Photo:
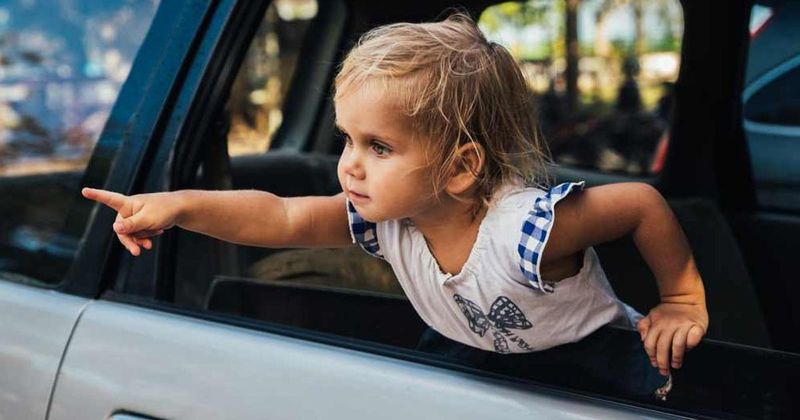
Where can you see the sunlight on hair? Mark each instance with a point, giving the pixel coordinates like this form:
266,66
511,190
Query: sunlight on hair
457,88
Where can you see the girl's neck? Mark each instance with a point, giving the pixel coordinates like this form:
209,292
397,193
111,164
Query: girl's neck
450,229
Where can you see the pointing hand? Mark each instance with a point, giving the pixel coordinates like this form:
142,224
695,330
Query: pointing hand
139,217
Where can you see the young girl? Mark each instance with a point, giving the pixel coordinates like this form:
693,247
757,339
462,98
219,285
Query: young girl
441,174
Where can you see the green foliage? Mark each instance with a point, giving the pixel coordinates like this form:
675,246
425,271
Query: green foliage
517,15
667,43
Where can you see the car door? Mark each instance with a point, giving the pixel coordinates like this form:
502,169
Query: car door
135,354
188,331
31,345
145,362
61,70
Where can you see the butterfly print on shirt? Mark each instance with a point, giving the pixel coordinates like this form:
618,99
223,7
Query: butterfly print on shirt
503,316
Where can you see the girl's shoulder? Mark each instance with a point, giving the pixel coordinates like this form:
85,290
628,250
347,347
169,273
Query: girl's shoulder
520,219
518,196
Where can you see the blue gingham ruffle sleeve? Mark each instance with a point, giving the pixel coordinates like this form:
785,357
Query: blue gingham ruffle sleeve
536,231
364,233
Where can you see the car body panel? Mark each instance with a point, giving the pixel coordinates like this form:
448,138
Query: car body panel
126,361
146,362
36,328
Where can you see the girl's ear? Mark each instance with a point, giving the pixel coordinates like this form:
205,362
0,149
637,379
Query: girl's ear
467,166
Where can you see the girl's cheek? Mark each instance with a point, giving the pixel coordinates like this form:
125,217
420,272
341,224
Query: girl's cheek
340,170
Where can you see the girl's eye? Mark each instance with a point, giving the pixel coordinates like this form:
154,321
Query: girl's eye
380,149
343,135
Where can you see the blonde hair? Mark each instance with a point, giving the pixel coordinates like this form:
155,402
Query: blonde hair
457,88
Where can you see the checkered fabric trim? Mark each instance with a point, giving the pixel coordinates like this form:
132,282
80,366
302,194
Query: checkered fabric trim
536,230
364,233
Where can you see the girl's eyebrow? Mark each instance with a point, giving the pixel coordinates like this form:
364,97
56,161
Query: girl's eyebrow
367,135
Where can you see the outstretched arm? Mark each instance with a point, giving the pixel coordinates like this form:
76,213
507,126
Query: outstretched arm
607,212
244,217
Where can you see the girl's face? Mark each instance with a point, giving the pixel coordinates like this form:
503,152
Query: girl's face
382,168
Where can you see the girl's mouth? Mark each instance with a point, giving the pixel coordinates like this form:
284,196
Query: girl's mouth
356,197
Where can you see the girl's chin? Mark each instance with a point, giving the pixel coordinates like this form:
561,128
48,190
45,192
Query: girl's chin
370,216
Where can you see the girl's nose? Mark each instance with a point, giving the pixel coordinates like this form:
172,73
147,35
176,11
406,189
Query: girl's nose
351,164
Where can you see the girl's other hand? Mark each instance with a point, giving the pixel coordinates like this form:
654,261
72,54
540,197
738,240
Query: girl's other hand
669,330
139,217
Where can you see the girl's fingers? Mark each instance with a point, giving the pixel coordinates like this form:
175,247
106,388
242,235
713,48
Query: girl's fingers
679,347
662,350
131,225
147,234
127,241
114,200
126,223
142,238
129,244
144,243
643,326
650,342
694,336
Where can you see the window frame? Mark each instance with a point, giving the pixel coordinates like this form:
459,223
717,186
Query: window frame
126,145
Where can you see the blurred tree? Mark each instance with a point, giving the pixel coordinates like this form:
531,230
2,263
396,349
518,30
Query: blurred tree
518,16
665,11
602,47
638,21
670,19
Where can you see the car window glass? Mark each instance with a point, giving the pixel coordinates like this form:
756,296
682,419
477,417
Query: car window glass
62,65
771,106
264,77
603,72
777,102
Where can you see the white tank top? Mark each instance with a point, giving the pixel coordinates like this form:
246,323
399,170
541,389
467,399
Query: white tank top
497,302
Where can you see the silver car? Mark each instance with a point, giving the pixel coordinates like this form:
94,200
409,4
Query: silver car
145,96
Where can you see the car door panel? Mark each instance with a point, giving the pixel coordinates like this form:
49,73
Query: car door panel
128,362
36,328
138,360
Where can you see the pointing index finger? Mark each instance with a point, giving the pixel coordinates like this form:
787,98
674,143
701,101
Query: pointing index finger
114,200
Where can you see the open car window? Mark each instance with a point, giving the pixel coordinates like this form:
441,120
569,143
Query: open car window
603,72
